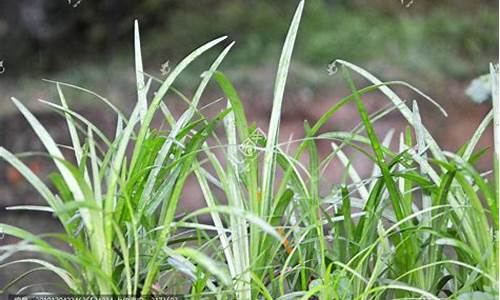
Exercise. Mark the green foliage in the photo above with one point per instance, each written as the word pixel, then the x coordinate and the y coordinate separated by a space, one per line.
pixel 432 39
pixel 425 224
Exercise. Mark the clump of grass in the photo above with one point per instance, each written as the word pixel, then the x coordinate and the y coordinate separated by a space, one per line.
pixel 424 225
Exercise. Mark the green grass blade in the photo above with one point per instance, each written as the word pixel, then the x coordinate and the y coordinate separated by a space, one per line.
pixel 41 188
pixel 405 111
pixel 139 74
pixel 52 148
pixel 496 125
pixel 75 140
pixel 273 131
pixel 237 107
pixel 206 262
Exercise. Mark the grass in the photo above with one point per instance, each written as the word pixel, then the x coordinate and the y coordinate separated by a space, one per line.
pixel 424 225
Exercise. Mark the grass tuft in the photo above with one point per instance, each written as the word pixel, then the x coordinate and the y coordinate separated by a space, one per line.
pixel 423 225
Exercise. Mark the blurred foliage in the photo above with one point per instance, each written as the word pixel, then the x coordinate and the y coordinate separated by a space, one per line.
pixel 451 38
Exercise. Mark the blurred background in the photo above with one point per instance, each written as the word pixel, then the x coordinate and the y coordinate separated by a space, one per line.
pixel 438 46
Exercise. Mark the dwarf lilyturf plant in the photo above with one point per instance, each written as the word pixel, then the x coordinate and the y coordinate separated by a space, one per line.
pixel 423 225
